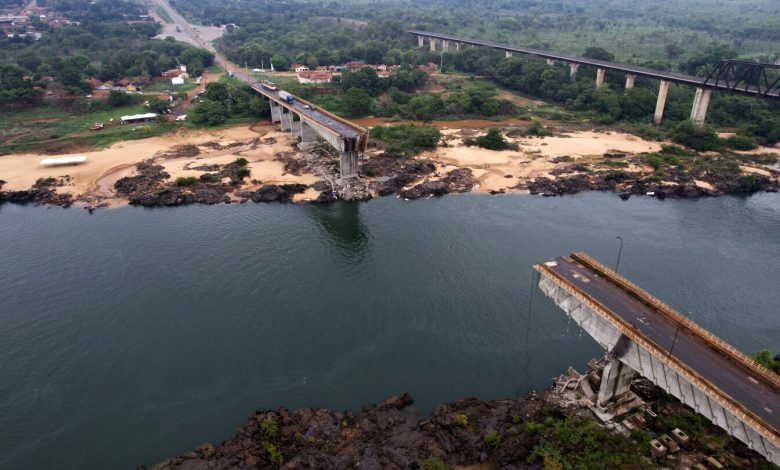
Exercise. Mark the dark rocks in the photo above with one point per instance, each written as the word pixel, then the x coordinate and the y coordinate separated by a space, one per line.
pixel 562 159
pixel 460 180
pixel 146 180
pixel 44 191
pixel 276 193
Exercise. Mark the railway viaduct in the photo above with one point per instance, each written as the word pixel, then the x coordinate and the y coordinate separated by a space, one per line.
pixel 732 76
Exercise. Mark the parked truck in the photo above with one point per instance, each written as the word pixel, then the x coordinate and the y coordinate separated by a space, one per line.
pixel 286 96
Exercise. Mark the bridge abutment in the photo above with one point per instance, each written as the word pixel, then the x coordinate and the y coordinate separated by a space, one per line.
pixel 701 102
pixel 663 89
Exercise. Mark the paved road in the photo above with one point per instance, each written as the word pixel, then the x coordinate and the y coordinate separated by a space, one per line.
pixel 762 399
pixel 626 68
pixel 345 130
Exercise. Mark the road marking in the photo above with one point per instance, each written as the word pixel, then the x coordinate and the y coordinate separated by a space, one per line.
pixel 768 410
pixel 753 380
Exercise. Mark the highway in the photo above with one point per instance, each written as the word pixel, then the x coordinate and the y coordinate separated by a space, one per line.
pixel 626 68
pixel 758 395
pixel 340 126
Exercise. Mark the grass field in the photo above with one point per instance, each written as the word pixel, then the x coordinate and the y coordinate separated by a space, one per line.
pixel 189 85
pixel 48 129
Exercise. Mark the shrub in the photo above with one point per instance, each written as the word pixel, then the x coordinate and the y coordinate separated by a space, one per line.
pixel 274 454
pixel 406 140
pixel 270 427
pixel 492 441
pixel 493 140
pixel 740 142
pixel 434 463
pixel 242 173
pixel 696 137
pixel 241 161
pixel 461 420
pixel 186 181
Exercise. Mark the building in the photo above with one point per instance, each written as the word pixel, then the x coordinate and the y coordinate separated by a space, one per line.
pixel 383 74
pixel 176 73
pixel 355 65
pixel 177 80
pixel 135 118
pixel 300 68
pixel 314 77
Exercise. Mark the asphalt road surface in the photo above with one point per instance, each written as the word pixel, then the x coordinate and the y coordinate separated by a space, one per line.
pixel 731 377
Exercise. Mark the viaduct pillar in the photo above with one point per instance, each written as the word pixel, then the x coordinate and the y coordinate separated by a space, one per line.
pixel 701 102
pixel 457 46
pixel 285 119
pixel 307 137
pixel 630 81
pixel 573 70
pixel 599 77
pixel 276 111
pixel 615 381
pixel 433 44
pixel 659 105
pixel 550 62
pixel 508 54
pixel 445 44
pixel 420 41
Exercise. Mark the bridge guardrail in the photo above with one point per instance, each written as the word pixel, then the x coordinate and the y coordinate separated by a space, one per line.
pixel 728 402
pixel 713 341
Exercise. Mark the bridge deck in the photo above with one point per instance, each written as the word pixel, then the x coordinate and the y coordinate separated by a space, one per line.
pixel 759 396
pixel 625 68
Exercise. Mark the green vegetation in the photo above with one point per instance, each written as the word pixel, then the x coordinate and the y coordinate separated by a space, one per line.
pixel 406 140
pixel 270 427
pixel 492 441
pixel 461 420
pixel 186 181
pixel 493 140
pixel 582 443
pixel 228 100
pixel 434 463
pixel 274 454
pixel 764 357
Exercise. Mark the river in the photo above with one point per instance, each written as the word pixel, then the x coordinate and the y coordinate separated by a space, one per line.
pixel 135 334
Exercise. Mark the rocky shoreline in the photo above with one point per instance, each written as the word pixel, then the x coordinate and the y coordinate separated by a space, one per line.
pixel 548 429
pixel 416 178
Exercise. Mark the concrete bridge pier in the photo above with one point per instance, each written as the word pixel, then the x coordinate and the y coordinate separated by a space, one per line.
pixel 457 46
pixel 550 62
pixel 663 88
pixel 348 164
pixel 573 70
pixel 630 79
pixel 308 137
pixel 433 44
pixel 276 111
pixel 295 126
pixel 615 381
pixel 420 41
pixel 508 54
pixel 600 77
pixel 444 44
pixel 285 120
pixel 701 102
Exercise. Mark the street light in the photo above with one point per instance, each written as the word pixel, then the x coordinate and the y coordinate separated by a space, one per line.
pixel 620 252
pixel 674 341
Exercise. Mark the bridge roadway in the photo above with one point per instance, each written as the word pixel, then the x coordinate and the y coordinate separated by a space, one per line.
pixel 757 395
pixel 602 64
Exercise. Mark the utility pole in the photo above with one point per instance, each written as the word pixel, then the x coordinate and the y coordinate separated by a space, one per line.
pixel 620 252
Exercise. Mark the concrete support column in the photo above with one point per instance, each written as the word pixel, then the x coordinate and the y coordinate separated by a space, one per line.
pixel 615 381
pixel 276 112
pixel 420 41
pixel 508 54
pixel 630 81
pixel 599 77
pixel 285 120
pixel 550 62
pixel 659 105
pixel 308 137
pixel 433 44
pixel 295 126
pixel 700 104
pixel 445 44
pixel 457 46
pixel 349 164
pixel 573 70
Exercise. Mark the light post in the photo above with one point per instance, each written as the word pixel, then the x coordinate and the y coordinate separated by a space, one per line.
pixel 620 252
pixel 674 341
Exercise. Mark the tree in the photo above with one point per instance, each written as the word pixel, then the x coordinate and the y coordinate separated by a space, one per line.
pixel 698 138
pixel 13 86
pixel 357 102
pixel 209 112
pixel 118 99
pixel 280 62
pixel 598 53
pixel 493 140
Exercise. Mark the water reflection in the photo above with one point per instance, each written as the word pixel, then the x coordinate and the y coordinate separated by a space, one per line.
pixel 344 228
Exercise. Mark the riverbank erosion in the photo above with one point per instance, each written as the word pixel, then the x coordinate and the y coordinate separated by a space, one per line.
pixel 199 167
pixel 549 429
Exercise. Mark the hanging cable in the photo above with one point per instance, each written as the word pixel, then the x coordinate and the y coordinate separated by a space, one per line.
pixel 534 281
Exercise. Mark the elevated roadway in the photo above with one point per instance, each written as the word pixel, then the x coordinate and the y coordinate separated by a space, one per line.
pixel 680 356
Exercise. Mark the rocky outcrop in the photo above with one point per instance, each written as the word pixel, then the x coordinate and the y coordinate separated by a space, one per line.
pixel 390 435
pixel 274 193
pixel 44 191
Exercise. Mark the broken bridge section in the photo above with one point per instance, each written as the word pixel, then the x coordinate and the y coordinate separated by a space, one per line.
pixel 643 335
